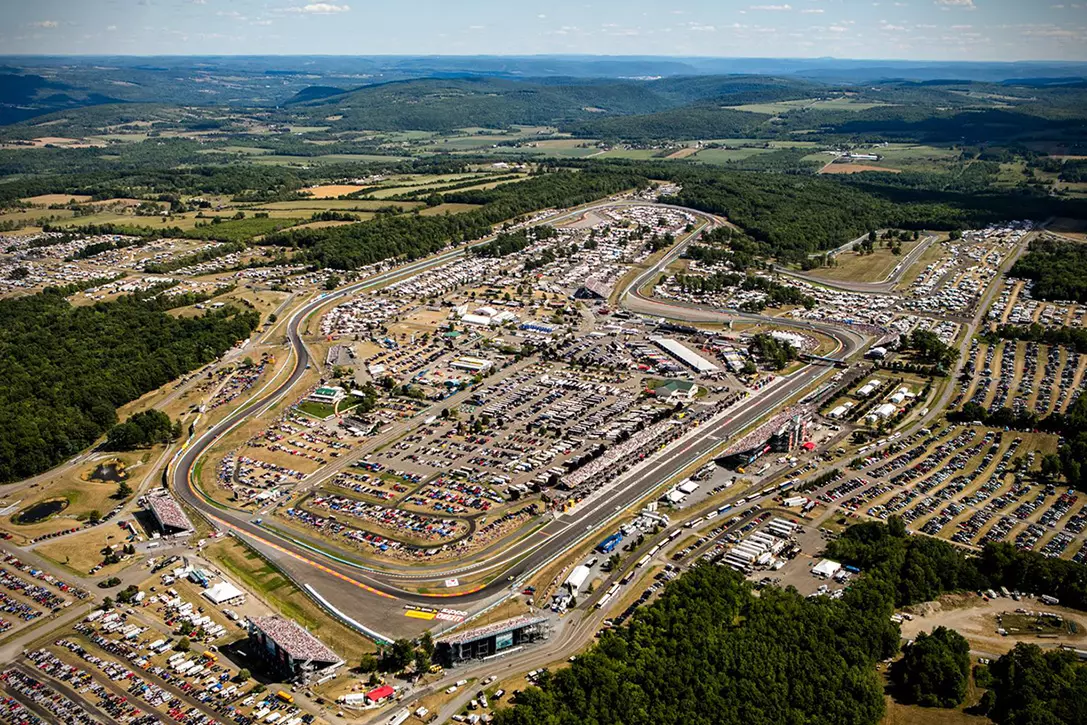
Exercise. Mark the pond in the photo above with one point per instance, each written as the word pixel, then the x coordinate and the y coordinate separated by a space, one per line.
pixel 109 472
pixel 40 511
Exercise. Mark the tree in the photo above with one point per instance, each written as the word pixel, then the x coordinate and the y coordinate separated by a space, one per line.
pixel 934 670
pixel 368 663
pixel 426 643
pixel 396 656
pixel 332 282
pixel 123 490
pixel 243 675
pixel 94 516
pixel 1032 687
pixel 421 662
pixel 183 645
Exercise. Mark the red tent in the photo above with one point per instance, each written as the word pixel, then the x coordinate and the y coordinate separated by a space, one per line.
pixel 380 693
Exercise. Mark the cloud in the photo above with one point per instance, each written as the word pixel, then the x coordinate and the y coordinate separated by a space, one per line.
pixel 838 29
pixel 45 24
pixel 965 4
pixel 772 8
pixel 703 28
pixel 320 9
pixel 812 11
pixel 111 28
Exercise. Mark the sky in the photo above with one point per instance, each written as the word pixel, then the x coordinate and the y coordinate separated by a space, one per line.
pixel 1005 30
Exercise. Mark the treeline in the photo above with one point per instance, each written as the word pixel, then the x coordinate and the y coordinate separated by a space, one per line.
pixel 413 236
pixel 921 568
pixel 187 260
pixel 503 244
pixel 1058 269
pixel 67 369
pixel 773 353
pixel 776 293
pixel 709 651
pixel 1029 685
pixel 791 217
pixel 142 430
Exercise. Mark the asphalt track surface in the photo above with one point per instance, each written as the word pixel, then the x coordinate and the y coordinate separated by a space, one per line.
pixel 375 598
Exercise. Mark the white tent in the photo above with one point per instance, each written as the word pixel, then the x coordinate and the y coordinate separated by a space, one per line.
pixel 222 592
pixel 826 568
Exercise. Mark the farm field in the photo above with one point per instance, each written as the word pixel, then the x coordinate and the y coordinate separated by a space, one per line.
pixel 447 209
pixel 355 205
pixel 836 168
pixel 285 160
pixel 830 104
pixel 720 156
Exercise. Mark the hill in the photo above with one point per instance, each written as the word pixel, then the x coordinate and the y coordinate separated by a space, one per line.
pixel 443 104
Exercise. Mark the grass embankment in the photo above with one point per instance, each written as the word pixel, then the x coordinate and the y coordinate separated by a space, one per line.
pixel 280 593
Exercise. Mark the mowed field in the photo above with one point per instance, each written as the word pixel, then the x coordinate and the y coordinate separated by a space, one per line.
pixel 47 199
pixel 835 168
pixel 855 267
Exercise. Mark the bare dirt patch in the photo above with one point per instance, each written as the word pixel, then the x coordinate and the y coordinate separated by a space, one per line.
pixel 332 191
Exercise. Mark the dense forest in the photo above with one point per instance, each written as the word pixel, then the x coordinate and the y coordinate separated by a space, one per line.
pixel 1057 267
pixel 67 369
pixel 1029 686
pixel 710 652
pixel 934 669
pixel 143 429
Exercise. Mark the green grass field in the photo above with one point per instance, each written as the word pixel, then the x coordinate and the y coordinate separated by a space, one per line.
pixel 275 160
pixel 828 104
pixel 721 156
pixel 875 267
pixel 337 204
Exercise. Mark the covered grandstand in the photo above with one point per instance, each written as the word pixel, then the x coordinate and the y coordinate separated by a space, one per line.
pixel 492 639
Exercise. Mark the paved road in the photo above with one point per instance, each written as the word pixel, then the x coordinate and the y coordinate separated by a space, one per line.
pixel 883 287
pixel 364 593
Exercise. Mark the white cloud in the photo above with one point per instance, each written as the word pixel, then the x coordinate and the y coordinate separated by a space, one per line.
pixel 967 4
pixel 111 28
pixel 838 29
pixel 199 2
pixel 45 24
pixel 703 28
pixel 812 11
pixel 320 9
pixel 771 8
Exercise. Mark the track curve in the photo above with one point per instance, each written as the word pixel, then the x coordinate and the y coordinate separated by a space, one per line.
pixel 349 579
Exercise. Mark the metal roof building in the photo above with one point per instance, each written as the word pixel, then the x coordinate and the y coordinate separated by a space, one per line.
pixel 685 355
